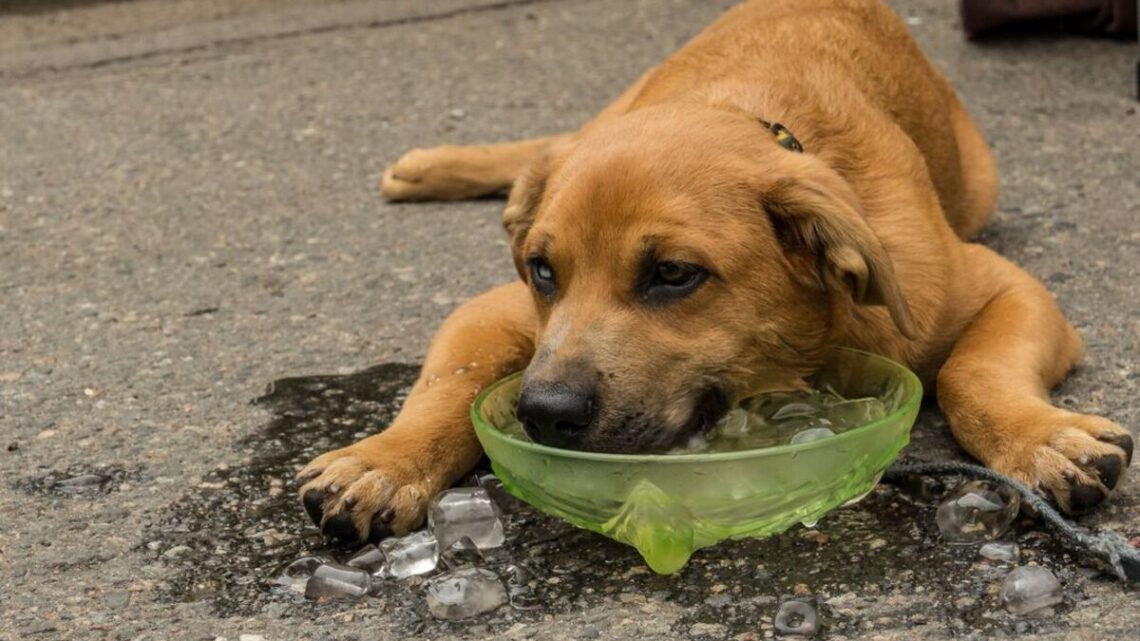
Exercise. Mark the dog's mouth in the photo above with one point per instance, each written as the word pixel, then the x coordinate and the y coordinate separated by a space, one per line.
pixel 711 406
pixel 642 434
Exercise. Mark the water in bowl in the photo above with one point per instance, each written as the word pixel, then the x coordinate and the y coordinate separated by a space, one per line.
pixel 769 420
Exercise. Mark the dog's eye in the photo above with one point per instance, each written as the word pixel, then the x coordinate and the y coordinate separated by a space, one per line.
pixel 674 280
pixel 675 274
pixel 542 276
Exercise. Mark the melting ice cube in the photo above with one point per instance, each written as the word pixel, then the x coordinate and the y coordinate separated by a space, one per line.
pixel 977 511
pixel 304 567
pixel 464 593
pixel 336 581
pixel 1030 588
pixel 1000 551
pixel 462 552
pixel 465 511
pixel 812 434
pixel 505 501
pixel 368 558
pixel 416 553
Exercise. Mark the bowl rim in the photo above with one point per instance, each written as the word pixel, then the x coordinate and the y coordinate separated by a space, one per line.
pixel 908 406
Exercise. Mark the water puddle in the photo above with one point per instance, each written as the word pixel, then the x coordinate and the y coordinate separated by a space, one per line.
pixel 878 565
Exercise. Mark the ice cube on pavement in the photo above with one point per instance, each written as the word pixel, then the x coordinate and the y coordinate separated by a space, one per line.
pixel 1030 588
pixel 796 617
pixel 336 581
pixel 465 511
pixel 296 575
pixel 465 593
pixel 304 567
pixel 505 501
pixel 462 552
pixel 416 553
pixel 977 511
pixel 1000 551
pixel 368 558
pixel 812 434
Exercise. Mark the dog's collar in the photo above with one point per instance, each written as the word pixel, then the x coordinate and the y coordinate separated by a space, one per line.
pixel 783 136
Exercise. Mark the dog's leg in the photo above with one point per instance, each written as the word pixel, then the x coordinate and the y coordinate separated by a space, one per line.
pixel 382 484
pixel 458 172
pixel 454 172
pixel 994 390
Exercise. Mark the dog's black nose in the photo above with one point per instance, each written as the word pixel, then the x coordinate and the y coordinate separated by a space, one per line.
pixel 553 413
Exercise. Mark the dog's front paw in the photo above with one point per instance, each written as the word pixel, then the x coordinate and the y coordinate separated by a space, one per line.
pixel 1077 460
pixel 366 492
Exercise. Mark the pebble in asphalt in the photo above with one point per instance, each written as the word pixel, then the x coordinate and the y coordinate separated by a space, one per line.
pixel 796 618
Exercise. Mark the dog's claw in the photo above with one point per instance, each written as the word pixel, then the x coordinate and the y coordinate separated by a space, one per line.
pixel 1123 441
pixel 341 527
pixel 1108 469
pixel 314 500
pixel 380 528
pixel 1083 498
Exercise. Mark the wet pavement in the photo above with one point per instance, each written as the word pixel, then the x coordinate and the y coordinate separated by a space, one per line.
pixel 188 215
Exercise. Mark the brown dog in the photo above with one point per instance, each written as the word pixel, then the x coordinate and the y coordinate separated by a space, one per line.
pixel 681 252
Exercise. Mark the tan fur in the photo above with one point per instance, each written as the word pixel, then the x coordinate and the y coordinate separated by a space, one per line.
pixel 859 241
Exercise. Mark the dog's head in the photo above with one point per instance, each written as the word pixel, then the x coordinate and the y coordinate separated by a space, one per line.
pixel 679 261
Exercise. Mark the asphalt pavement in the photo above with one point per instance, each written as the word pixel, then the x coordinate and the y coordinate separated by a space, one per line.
pixel 189 212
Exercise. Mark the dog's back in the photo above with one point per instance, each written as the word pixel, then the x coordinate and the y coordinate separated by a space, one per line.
pixel 844 70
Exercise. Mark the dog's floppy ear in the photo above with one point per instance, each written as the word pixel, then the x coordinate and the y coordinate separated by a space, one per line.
pixel 522 206
pixel 817 211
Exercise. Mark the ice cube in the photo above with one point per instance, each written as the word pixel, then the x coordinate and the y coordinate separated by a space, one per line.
pixel 855 412
pixel 304 567
pixel 811 434
pixel 977 511
pixel 796 617
pixel 295 575
pixel 1000 551
pixel 465 511
pixel 795 410
pixel 505 501
pixel 416 553
pixel 1029 589
pixel 462 552
pixel 369 558
pixel 336 581
pixel 465 593
pixel 733 425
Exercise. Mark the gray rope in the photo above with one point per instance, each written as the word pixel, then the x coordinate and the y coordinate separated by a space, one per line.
pixel 1109 547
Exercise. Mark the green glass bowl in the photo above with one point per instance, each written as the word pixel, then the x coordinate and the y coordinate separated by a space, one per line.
pixel 668 506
